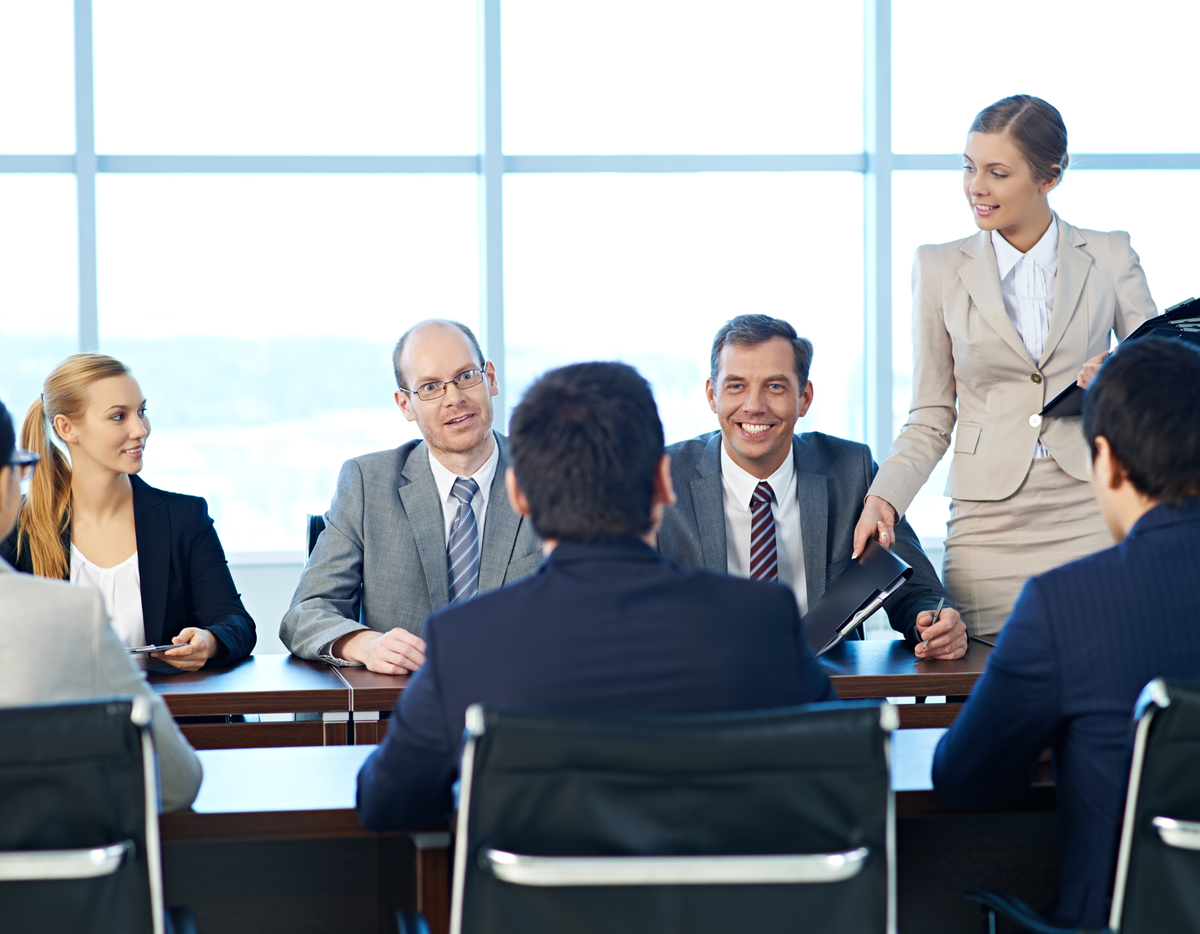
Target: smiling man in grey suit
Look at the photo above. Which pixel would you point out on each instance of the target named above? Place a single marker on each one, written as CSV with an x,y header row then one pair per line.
x,y
413,529
757,500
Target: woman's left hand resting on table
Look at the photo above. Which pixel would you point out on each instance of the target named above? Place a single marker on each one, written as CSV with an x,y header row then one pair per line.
x,y
947,638
196,646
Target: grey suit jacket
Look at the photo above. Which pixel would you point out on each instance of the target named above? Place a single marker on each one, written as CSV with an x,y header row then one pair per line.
x,y
381,561
832,476
56,645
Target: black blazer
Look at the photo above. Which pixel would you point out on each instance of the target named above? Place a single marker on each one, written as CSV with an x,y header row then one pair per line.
x,y
185,579
614,628
1079,646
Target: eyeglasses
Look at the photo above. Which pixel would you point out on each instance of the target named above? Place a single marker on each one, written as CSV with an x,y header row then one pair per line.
x,y
427,392
23,463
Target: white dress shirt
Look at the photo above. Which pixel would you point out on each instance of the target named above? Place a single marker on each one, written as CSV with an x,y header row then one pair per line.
x,y
1027,287
738,488
121,589
444,479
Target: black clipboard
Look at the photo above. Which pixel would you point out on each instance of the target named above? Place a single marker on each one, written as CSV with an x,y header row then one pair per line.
x,y
1180,321
857,592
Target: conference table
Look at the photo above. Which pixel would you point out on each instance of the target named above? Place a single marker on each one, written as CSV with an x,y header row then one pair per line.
x,y
272,843
339,706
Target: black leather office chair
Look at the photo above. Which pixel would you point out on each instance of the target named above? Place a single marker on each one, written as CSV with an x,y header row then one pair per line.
x,y
764,821
313,528
1157,883
79,845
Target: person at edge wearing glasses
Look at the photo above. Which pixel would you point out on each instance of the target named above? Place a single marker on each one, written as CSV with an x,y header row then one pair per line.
x,y
90,519
56,643
1003,321
417,527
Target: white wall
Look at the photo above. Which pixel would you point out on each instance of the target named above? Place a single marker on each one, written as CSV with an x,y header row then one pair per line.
x,y
266,581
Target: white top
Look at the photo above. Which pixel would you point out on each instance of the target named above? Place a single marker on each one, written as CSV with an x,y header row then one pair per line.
x,y
445,483
738,488
1027,286
121,589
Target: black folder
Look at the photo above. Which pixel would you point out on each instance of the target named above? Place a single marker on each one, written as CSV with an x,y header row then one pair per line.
x,y
857,592
1180,321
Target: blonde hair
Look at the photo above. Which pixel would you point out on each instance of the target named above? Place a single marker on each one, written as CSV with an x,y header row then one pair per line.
x,y
46,514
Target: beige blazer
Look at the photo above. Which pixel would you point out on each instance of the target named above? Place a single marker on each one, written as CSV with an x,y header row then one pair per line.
x,y
56,644
970,363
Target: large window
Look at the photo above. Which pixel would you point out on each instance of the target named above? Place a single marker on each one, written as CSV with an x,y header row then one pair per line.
x,y
248,202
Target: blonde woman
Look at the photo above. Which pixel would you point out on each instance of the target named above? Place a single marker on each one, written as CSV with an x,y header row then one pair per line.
x,y
1002,321
154,556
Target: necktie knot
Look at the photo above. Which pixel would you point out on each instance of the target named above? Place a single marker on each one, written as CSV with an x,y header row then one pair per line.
x,y
464,490
763,495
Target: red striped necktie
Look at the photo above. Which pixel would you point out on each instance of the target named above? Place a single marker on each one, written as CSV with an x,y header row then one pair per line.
x,y
764,561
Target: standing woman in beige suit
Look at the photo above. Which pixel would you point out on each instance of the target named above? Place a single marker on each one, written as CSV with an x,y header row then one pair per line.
x,y
1002,321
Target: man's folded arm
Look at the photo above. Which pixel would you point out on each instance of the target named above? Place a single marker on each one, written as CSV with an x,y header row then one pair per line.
x,y
327,601
1013,714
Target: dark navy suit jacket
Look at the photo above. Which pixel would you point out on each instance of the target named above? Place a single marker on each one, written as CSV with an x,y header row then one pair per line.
x,y
185,578
612,628
1081,643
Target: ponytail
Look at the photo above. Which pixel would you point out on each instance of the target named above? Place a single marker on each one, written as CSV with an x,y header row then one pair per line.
x,y
46,514
47,510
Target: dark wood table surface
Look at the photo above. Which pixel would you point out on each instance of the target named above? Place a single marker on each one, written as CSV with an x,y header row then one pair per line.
x,y
256,685
886,668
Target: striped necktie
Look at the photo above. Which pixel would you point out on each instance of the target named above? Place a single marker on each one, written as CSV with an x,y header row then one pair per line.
x,y
462,551
764,561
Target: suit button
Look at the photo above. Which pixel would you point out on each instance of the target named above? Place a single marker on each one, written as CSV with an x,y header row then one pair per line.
x,y
1036,377
1035,420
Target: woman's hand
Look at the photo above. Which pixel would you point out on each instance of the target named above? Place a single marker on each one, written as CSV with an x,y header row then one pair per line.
x,y
878,521
1089,370
195,647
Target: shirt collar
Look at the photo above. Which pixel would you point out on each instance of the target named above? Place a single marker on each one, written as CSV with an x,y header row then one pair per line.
x,y
742,484
444,478
1044,252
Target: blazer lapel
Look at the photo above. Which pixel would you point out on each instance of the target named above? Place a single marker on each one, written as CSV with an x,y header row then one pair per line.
x,y
152,526
709,502
1073,266
982,281
500,527
419,497
812,489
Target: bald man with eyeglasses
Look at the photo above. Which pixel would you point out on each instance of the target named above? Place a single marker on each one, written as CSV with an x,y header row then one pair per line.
x,y
418,527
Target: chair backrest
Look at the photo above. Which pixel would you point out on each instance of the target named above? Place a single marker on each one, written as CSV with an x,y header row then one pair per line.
x,y
1157,886
765,821
79,847
313,527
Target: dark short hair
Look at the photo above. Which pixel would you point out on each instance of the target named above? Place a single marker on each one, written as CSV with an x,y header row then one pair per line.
x,y
1146,401
466,331
1035,126
8,437
758,329
586,441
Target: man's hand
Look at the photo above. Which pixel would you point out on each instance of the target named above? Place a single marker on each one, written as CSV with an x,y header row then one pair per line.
x,y
395,652
878,521
196,646
1089,370
947,638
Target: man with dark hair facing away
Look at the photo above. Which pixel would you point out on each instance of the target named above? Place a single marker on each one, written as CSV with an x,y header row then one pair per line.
x,y
606,625
1085,638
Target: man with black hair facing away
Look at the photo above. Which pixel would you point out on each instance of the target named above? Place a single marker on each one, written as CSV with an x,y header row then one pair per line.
x,y
606,625
1085,638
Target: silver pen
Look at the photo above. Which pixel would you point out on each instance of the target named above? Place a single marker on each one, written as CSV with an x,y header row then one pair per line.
x,y
941,603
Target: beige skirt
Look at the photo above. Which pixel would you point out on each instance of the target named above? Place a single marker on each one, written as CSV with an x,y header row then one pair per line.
x,y
992,548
